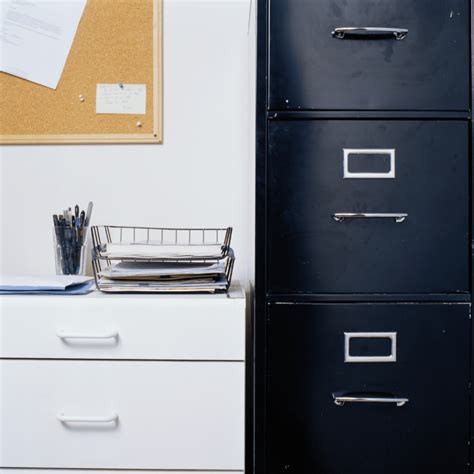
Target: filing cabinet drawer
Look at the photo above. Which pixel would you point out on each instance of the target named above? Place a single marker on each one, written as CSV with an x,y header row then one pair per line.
x,y
123,327
122,415
407,184
314,64
402,407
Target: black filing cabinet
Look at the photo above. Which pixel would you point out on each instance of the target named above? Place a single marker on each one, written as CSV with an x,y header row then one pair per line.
x,y
362,323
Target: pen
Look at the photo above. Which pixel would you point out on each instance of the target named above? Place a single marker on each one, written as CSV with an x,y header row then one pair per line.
x,y
57,229
73,244
88,213
68,249
67,217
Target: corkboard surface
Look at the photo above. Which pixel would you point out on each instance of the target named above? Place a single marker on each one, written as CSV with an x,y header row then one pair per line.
x,y
118,41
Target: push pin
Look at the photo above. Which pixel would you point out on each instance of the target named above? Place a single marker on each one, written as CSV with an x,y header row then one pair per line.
x,y
139,124
81,98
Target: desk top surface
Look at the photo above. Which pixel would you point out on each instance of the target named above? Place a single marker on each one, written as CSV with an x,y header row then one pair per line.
x,y
236,292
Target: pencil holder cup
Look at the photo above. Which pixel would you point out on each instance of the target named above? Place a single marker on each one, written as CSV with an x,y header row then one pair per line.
x,y
70,250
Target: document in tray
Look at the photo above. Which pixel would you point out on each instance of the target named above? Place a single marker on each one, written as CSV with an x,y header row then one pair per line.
x,y
202,285
142,289
36,36
173,270
161,251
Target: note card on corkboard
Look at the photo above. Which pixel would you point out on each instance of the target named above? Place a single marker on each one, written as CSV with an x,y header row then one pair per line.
x,y
120,99
119,45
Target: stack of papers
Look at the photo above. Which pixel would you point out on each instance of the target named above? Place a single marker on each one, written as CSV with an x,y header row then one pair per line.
x,y
157,251
46,285
164,277
165,271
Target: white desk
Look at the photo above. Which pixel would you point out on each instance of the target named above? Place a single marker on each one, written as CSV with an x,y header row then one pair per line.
x,y
122,382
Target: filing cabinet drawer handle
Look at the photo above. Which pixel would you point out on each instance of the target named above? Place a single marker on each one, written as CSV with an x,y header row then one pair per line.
x,y
343,32
340,216
341,400
87,419
106,335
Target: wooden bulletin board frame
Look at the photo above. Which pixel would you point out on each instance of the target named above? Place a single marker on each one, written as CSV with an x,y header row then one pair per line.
x,y
108,128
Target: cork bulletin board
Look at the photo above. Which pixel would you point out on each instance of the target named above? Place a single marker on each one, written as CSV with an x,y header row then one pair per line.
x,y
117,42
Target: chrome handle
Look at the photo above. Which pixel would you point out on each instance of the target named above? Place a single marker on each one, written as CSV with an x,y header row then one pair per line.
x,y
341,400
340,216
87,419
106,335
397,33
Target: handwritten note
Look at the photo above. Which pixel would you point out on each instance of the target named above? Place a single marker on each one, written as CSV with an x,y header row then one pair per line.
x,y
121,99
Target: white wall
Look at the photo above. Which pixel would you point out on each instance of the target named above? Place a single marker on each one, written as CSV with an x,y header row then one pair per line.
x,y
201,176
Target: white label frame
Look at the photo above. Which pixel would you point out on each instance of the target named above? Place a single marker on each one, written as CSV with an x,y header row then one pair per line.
x,y
369,151
370,335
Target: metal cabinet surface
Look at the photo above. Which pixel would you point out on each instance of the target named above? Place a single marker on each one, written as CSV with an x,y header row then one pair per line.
x,y
403,408
369,54
362,328
374,229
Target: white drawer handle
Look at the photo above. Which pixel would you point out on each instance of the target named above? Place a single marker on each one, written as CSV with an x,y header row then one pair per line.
x,y
68,335
87,419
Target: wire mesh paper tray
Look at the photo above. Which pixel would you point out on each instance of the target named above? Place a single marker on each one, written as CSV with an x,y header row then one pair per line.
x,y
103,235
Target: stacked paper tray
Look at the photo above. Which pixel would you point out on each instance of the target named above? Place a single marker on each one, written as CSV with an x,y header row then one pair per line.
x,y
162,260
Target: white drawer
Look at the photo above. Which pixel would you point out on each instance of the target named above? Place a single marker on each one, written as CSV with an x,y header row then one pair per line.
x,y
171,415
147,327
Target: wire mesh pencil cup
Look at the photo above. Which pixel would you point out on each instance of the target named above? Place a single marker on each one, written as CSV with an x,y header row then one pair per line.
x,y
107,234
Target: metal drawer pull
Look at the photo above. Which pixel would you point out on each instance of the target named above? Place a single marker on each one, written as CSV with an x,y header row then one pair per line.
x,y
340,401
87,419
340,216
397,33
106,335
